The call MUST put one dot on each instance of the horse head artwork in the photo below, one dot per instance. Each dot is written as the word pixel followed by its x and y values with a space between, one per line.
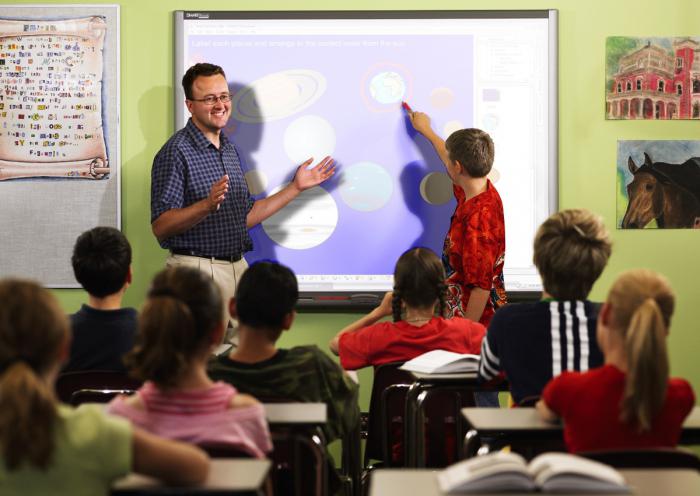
pixel 669 193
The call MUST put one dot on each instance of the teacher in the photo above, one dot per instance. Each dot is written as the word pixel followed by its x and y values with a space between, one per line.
pixel 201 208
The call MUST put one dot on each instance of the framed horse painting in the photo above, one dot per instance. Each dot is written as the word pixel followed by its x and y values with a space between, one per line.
pixel 658 184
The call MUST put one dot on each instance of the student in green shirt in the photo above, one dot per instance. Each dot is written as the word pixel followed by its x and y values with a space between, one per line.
pixel 49 448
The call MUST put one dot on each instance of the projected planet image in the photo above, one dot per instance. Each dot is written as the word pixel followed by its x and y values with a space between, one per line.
pixel 387 87
pixel 306 222
pixel 450 127
pixel 278 95
pixel 436 188
pixel 309 136
pixel 365 186
pixel 442 98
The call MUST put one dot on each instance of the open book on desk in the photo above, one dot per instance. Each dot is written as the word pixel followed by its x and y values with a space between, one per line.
pixel 550 472
pixel 442 362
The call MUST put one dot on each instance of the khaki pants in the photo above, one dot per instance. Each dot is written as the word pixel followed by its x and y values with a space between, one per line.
pixel 225 274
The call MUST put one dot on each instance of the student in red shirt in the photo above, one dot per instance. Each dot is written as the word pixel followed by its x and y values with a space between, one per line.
pixel 475 245
pixel 419 288
pixel 629 402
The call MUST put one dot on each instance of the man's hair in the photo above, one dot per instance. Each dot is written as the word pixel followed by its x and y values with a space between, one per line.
pixel 572 248
pixel 473 148
pixel 266 293
pixel 101 260
pixel 202 69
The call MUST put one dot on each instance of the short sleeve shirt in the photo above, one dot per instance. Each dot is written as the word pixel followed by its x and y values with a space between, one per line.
pixel 387 342
pixel 589 405
pixel 474 252
pixel 183 173
pixel 91 450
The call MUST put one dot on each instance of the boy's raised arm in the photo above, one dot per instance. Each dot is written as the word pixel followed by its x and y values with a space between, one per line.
pixel 421 123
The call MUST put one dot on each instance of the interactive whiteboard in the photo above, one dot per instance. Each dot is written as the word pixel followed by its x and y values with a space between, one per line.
pixel 311 84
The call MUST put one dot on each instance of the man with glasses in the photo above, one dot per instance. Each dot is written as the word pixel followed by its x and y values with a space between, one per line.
pixel 201 208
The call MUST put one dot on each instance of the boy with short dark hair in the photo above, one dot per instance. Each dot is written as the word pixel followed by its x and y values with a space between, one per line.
pixel 264 306
pixel 534 342
pixel 103 331
pixel 474 249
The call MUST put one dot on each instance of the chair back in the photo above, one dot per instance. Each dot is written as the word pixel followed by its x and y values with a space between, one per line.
pixel 386 419
pixel 528 401
pixel 299 461
pixel 646 458
pixel 97 395
pixel 94 380
pixel 382 417
pixel 222 450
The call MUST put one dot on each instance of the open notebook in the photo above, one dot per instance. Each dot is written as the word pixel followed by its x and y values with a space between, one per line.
pixel 550 472
pixel 442 362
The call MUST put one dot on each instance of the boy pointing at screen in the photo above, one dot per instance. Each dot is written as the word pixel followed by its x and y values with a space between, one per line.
pixel 475 245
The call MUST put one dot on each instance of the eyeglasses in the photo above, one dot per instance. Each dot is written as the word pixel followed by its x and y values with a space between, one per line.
pixel 212 99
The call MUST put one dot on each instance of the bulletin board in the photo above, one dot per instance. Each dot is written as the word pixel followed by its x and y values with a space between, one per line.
pixel 59 134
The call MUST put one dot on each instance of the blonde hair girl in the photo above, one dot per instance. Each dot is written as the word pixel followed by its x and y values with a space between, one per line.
pixel 630 402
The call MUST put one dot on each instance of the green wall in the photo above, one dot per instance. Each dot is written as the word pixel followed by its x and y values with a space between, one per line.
pixel 587 142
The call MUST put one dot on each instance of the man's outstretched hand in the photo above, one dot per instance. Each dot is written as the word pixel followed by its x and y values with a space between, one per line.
pixel 306 178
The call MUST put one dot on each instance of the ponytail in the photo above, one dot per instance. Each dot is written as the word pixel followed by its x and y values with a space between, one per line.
pixel 647 366
pixel 396 305
pixel 27 418
pixel 175 325
pixel 165 340
pixel 33 331
pixel 442 297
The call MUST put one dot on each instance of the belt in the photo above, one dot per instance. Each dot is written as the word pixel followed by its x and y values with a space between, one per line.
pixel 192 253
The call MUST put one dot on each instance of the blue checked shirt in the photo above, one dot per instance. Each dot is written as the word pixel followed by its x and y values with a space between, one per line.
pixel 183 173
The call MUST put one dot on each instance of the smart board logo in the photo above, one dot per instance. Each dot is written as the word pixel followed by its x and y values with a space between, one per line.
pixel 196 15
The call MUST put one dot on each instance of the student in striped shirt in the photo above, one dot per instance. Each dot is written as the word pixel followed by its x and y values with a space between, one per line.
pixel 179 326
pixel 533 342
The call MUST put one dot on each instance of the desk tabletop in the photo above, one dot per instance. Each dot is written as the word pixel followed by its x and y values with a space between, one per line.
pixel 527 419
pixel 229 475
pixel 646 482
pixel 296 413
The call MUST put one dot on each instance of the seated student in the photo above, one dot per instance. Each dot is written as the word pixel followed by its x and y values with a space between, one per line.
pixel 179 326
pixel 264 306
pixel 103 331
pixel 533 342
pixel 419 287
pixel 49 448
pixel 630 402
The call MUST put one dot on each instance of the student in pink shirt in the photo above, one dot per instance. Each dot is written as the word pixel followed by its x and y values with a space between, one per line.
pixel 179 326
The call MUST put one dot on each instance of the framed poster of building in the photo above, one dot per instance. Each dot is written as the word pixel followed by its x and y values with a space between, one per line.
pixel 59 134
pixel 652 78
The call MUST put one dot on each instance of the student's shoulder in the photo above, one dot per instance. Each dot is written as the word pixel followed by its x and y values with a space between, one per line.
pixel 681 390
pixel 88 421
pixel 523 311
pixel 309 352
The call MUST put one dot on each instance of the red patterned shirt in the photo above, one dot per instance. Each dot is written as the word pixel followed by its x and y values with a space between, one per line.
pixel 474 252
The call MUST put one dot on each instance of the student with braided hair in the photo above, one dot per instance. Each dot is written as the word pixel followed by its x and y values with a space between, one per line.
pixel 179 327
pixel 630 402
pixel 50 448
pixel 419 288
